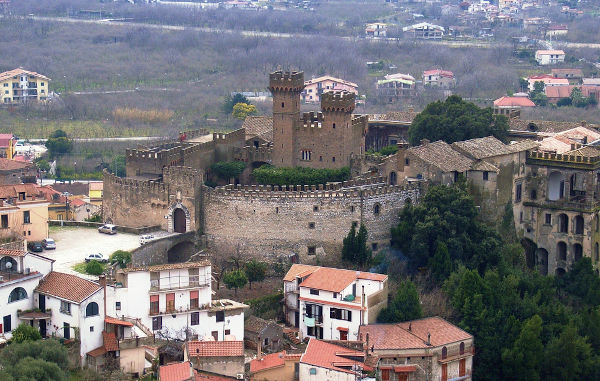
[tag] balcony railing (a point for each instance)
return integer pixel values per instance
(174, 283)
(178, 310)
(457, 355)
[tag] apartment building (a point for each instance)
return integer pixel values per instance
(317, 86)
(18, 86)
(174, 301)
(549, 57)
(23, 213)
(331, 304)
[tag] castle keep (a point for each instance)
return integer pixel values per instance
(165, 183)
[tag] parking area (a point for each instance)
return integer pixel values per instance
(73, 244)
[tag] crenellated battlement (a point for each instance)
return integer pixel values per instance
(111, 181)
(286, 81)
(360, 121)
(230, 137)
(564, 159)
(312, 119)
(348, 189)
(338, 101)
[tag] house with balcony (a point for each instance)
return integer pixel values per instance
(423, 349)
(174, 301)
(19, 86)
(377, 29)
(326, 361)
(396, 86)
(425, 31)
(20, 273)
(443, 79)
(315, 87)
(331, 304)
(73, 310)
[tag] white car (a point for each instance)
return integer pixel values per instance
(48, 244)
(108, 229)
(97, 257)
(145, 238)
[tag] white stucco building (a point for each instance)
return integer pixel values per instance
(331, 304)
(326, 361)
(549, 57)
(20, 273)
(74, 308)
(174, 300)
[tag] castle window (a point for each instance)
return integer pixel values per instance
(533, 194)
(312, 250)
(548, 219)
(311, 225)
(333, 159)
(306, 155)
(563, 223)
(376, 209)
(334, 125)
(352, 209)
(315, 208)
(277, 209)
(485, 175)
(282, 105)
(407, 161)
(320, 158)
(518, 192)
(374, 246)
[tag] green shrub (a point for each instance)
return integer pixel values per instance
(122, 257)
(25, 332)
(94, 268)
(228, 169)
(389, 150)
(299, 176)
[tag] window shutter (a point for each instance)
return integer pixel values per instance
(153, 298)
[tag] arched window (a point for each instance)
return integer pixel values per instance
(578, 225)
(556, 186)
(444, 353)
(563, 223)
(462, 348)
(91, 309)
(376, 209)
(577, 252)
(561, 249)
(17, 294)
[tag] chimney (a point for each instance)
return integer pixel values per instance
(367, 346)
(102, 281)
(411, 109)
(259, 348)
(409, 327)
(428, 338)
(424, 142)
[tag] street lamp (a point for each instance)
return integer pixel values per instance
(8, 267)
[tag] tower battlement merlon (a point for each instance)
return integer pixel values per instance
(286, 81)
(338, 101)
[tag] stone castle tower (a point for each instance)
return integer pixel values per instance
(326, 139)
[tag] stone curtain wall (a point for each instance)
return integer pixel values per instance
(270, 223)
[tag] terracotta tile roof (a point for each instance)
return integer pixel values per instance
(255, 324)
(11, 165)
(210, 377)
(482, 165)
(442, 156)
(11, 73)
(481, 148)
(167, 266)
(297, 269)
(261, 126)
(441, 73)
(77, 202)
(8, 191)
(513, 102)
(335, 280)
(330, 78)
(112, 320)
(215, 348)
(547, 52)
(565, 91)
(97, 352)
(110, 341)
(176, 372)
(398, 336)
(77, 189)
(330, 356)
(588, 151)
(550, 126)
(12, 253)
(523, 145)
(67, 286)
(273, 360)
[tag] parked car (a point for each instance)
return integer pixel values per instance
(108, 229)
(48, 244)
(97, 257)
(35, 247)
(145, 238)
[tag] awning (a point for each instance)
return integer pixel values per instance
(115, 321)
(342, 329)
(35, 315)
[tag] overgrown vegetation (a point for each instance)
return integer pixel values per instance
(121, 257)
(354, 249)
(266, 307)
(225, 170)
(40, 360)
(235, 279)
(269, 175)
(88, 268)
(454, 120)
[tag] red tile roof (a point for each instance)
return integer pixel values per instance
(176, 372)
(12, 253)
(112, 320)
(330, 356)
(19, 71)
(273, 360)
(398, 336)
(7, 191)
(565, 91)
(110, 341)
(67, 286)
(298, 269)
(513, 102)
(441, 73)
(97, 352)
(10, 165)
(215, 348)
(336, 280)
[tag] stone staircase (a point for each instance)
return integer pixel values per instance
(292, 335)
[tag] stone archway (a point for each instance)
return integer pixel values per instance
(178, 218)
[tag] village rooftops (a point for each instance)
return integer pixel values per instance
(543, 126)
(255, 324)
(438, 72)
(481, 148)
(16, 72)
(68, 287)
(333, 357)
(182, 371)
(513, 102)
(11, 165)
(273, 360)
(259, 126)
(550, 52)
(330, 279)
(415, 334)
(12, 252)
(441, 155)
(167, 266)
(215, 348)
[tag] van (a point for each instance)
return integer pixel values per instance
(108, 229)
(145, 238)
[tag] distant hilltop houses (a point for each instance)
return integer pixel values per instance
(20, 86)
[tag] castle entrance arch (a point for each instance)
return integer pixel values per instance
(179, 218)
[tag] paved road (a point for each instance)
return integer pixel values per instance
(131, 138)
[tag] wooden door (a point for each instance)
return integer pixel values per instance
(462, 367)
(444, 372)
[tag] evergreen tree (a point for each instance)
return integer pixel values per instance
(235, 279)
(404, 306)
(524, 359)
(348, 244)
(440, 264)
(255, 271)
